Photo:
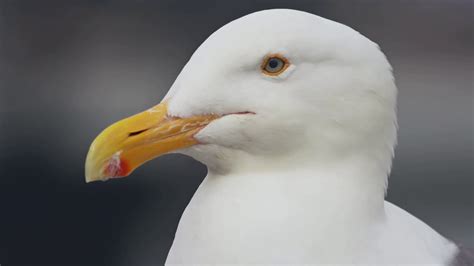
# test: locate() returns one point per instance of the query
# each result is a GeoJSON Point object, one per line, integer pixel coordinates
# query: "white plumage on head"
{"type": "Point", "coordinates": [303, 179]}
{"type": "Point", "coordinates": [295, 117]}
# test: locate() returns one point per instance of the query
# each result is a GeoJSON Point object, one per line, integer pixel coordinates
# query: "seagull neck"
{"type": "Point", "coordinates": [332, 205]}
{"type": "Point", "coordinates": [345, 187]}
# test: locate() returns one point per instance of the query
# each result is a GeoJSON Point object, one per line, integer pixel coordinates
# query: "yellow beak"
{"type": "Point", "coordinates": [129, 143]}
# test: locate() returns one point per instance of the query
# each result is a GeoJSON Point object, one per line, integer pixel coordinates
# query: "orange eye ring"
{"type": "Point", "coordinates": [274, 64]}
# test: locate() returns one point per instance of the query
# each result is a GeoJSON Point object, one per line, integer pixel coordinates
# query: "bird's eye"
{"type": "Point", "coordinates": [274, 65]}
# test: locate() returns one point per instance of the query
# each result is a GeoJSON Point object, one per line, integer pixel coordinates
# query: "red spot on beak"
{"type": "Point", "coordinates": [117, 167]}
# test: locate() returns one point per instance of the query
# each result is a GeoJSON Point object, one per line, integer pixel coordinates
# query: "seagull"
{"type": "Point", "coordinates": [294, 116]}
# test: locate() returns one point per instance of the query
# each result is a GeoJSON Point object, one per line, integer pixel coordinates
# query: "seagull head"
{"type": "Point", "coordinates": [273, 86]}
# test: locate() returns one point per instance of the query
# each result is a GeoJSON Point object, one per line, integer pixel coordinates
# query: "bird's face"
{"type": "Point", "coordinates": [269, 84]}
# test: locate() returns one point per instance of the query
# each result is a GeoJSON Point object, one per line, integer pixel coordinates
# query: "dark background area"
{"type": "Point", "coordinates": [70, 68]}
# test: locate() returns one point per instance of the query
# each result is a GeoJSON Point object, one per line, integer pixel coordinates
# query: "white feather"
{"type": "Point", "coordinates": [303, 179]}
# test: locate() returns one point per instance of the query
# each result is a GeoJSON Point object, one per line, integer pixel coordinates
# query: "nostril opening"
{"type": "Point", "coordinates": [134, 133]}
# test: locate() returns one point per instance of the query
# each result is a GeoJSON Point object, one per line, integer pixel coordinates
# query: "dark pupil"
{"type": "Point", "coordinates": [273, 63]}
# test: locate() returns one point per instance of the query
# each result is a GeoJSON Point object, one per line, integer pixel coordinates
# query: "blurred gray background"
{"type": "Point", "coordinates": [70, 68]}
